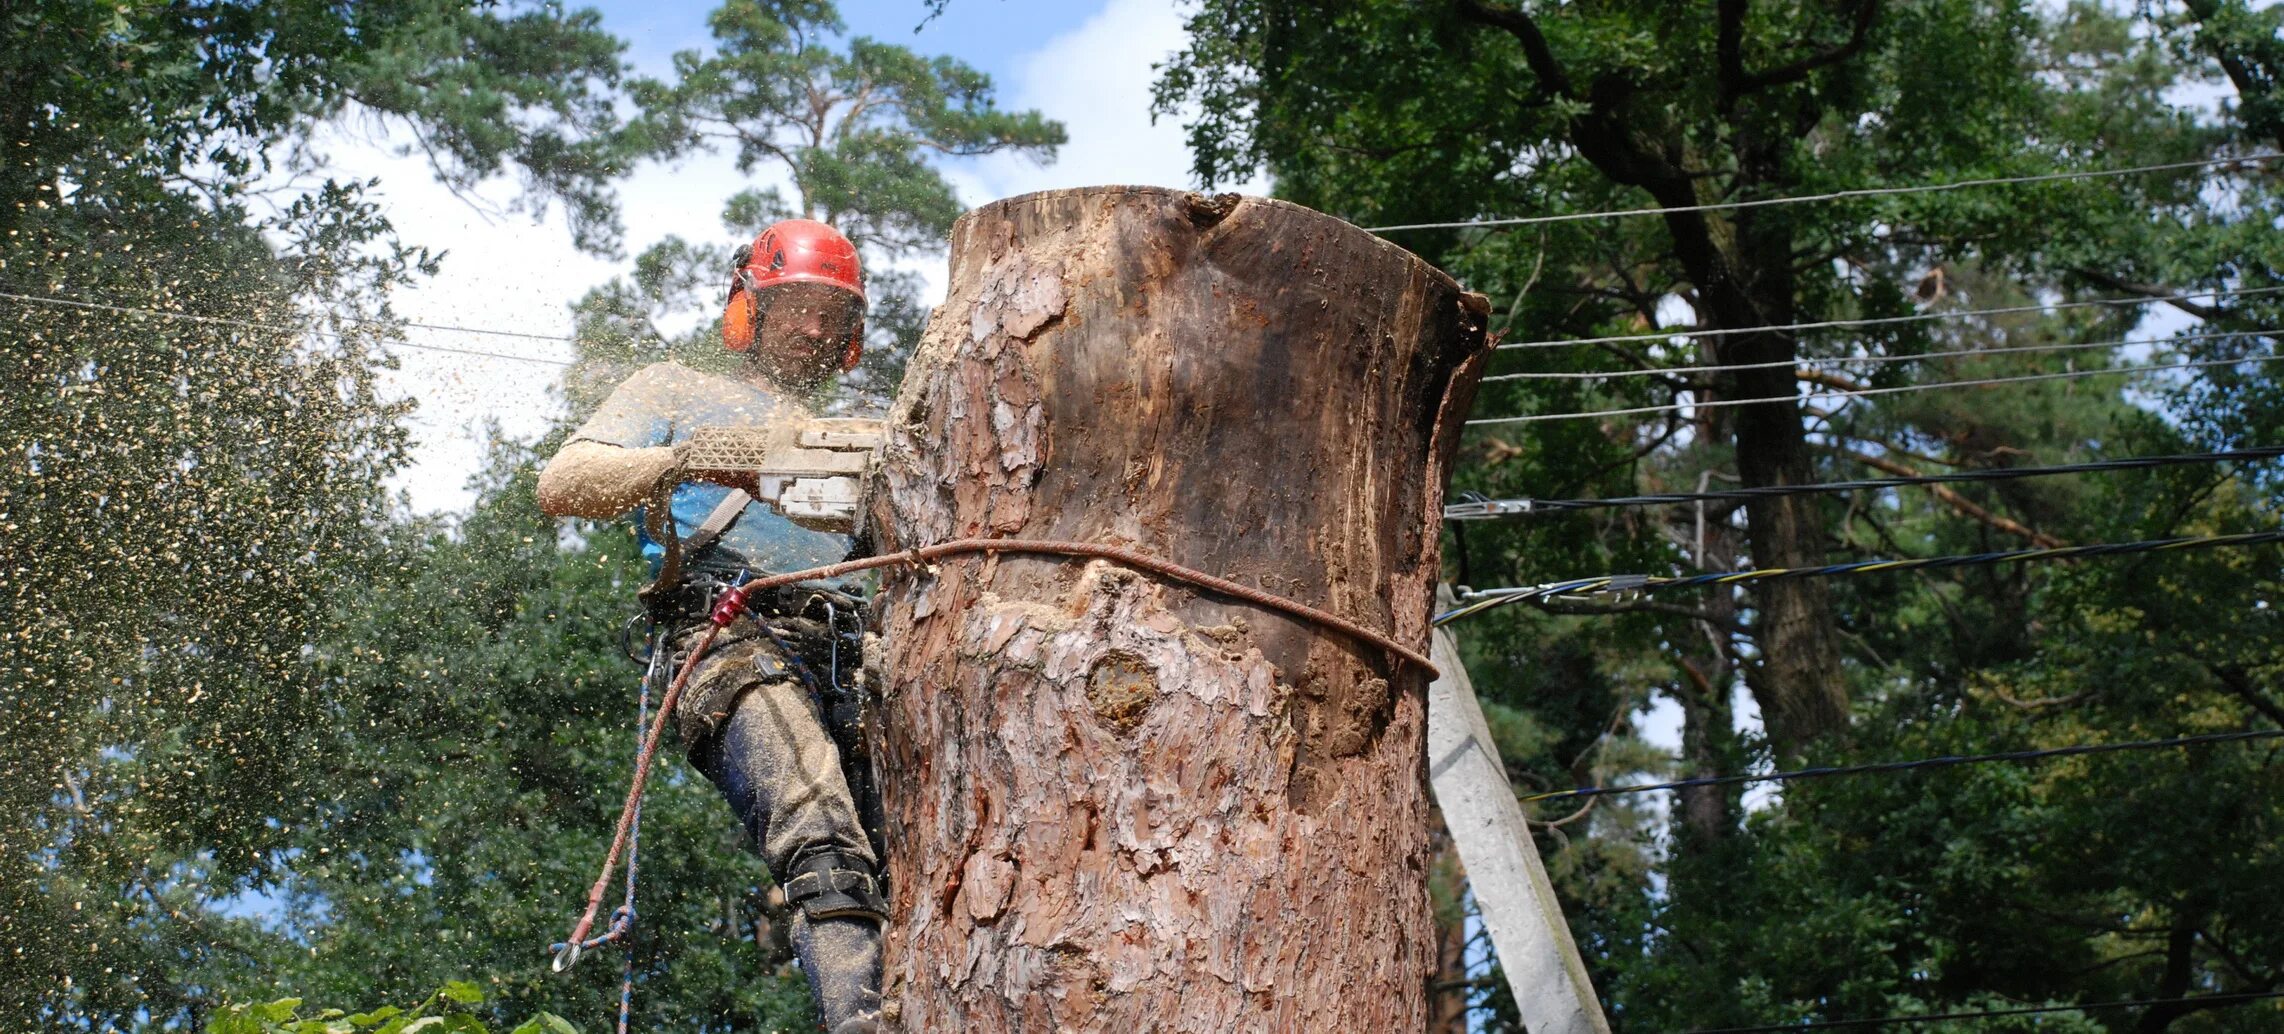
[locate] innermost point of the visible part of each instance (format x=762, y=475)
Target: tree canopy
x=195, y=444
x=238, y=678
x=265, y=729
x=1877, y=896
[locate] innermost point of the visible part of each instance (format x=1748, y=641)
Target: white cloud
x=503, y=271
x=500, y=271
x=1097, y=80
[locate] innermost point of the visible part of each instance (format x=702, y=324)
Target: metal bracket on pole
x=1543, y=967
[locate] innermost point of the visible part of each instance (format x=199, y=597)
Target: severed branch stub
x=1116, y=801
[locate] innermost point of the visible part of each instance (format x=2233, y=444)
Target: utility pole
x=1552, y=991
x=1117, y=801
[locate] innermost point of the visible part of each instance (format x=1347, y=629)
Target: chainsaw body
x=811, y=470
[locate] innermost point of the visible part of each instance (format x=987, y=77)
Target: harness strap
x=832, y=885
x=658, y=520
x=719, y=521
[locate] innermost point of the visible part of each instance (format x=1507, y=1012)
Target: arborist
x=749, y=716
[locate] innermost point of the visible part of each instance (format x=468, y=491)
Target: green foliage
x=186, y=496
x=258, y=685
x=1983, y=887
x=146, y=96
x=284, y=1016
x=479, y=752
x=856, y=125
x=180, y=500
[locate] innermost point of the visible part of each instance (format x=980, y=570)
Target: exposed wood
x=1114, y=803
x=1552, y=990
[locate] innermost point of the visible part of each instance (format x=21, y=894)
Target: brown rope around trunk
x=1122, y=555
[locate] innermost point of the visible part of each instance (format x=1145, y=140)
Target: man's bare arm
x=592, y=479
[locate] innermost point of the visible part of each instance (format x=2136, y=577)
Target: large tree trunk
x=1116, y=802
x=1799, y=683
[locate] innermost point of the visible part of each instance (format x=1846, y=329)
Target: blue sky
x=991, y=35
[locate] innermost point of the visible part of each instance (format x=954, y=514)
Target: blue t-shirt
x=665, y=403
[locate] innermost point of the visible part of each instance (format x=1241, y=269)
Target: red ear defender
x=741, y=318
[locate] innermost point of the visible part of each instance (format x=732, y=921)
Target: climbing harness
x=836, y=881
x=726, y=610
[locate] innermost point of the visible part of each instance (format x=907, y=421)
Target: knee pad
x=832, y=885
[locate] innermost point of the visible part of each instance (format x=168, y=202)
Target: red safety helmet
x=795, y=251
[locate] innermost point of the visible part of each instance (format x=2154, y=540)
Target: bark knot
x=1121, y=687
x=1208, y=211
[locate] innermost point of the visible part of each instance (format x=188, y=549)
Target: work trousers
x=754, y=727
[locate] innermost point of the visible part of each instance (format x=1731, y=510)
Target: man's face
x=805, y=329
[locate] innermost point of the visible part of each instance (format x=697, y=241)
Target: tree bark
x=1115, y=802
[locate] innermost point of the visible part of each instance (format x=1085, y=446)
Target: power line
x=1838, y=195
x=1488, y=599
x=1484, y=509
x=526, y=335
x=1945, y=761
x=281, y=328
x=1866, y=392
x=2065, y=346
x=2201, y=1001
x=1881, y=321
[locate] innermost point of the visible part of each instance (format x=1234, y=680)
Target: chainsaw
x=811, y=471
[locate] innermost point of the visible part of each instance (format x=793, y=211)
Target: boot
x=842, y=959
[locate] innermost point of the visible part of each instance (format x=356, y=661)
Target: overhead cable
x=1483, y=509
x=283, y=328
x=1849, y=393
x=1945, y=761
x=1478, y=601
x=1670, y=333
x=2067, y=346
x=2212, y=1001
x=1837, y=195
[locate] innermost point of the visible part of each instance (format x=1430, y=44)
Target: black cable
x=1837, y=195
x=1492, y=508
x=1900, y=766
x=1480, y=600
x=1835, y=393
x=2203, y=1001
x=282, y=328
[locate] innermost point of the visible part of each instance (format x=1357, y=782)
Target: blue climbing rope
x=622, y=918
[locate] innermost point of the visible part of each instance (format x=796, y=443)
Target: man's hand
x=591, y=479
